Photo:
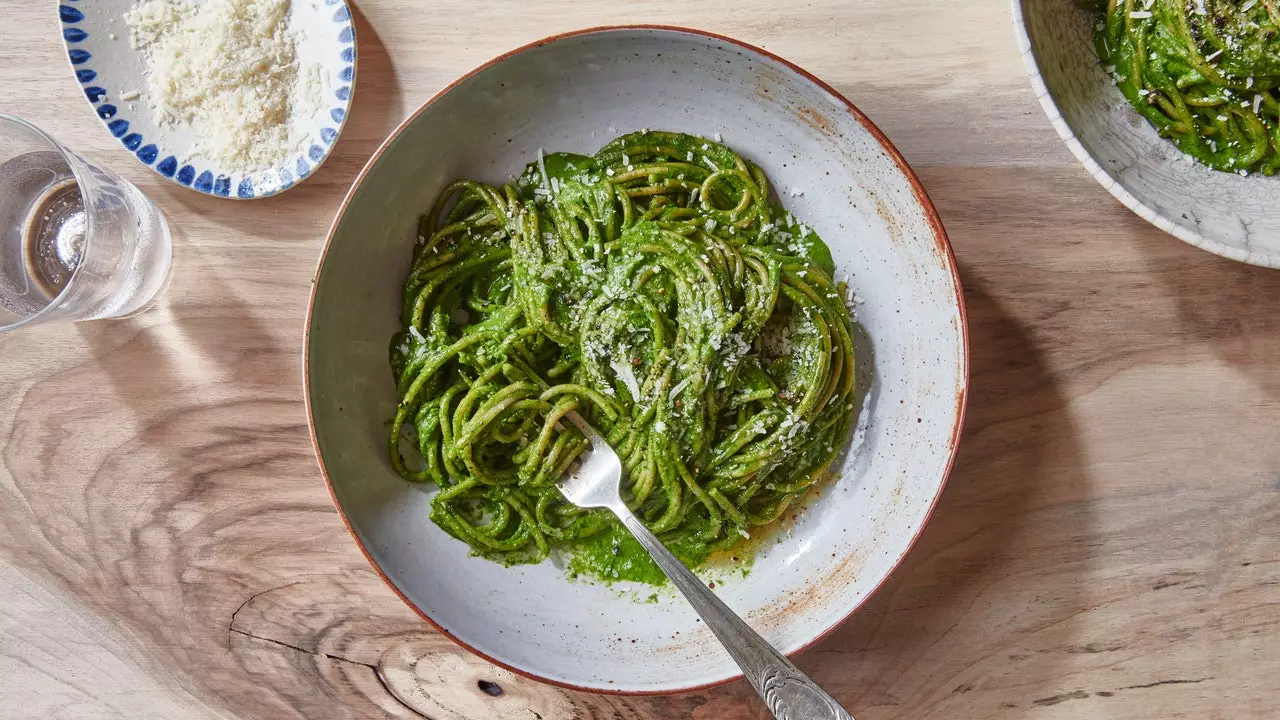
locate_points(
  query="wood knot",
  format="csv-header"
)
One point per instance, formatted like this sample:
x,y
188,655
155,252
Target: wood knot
x,y
447,684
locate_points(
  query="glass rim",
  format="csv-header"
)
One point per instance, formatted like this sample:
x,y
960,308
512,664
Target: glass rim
x,y
71,160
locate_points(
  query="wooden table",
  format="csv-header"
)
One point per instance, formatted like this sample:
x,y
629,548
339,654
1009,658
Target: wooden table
x,y
1108,546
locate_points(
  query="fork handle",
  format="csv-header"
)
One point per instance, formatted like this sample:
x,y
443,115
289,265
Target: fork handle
x,y
789,693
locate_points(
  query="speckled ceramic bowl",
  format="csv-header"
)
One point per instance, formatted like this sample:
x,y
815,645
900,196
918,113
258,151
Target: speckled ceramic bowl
x,y
1233,216
574,92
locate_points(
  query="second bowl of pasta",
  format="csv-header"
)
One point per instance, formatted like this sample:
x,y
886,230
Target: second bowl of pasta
x,y
1172,106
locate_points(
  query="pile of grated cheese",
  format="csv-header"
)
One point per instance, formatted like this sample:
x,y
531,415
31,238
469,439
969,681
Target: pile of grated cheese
x,y
227,71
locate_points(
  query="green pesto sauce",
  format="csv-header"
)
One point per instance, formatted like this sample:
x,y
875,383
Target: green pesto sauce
x,y
614,555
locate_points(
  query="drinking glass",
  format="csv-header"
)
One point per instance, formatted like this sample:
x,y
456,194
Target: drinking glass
x,y
77,242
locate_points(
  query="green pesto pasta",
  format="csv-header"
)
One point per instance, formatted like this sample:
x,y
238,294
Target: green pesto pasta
x,y
1203,72
655,289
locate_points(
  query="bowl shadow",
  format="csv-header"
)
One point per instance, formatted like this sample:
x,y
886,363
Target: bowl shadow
x,y
938,623
1225,305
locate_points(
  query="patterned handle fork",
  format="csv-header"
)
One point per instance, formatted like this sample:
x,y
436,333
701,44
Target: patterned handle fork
x,y
788,692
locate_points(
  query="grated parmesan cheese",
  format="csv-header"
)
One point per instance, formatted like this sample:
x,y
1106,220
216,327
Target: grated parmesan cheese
x,y
542,168
628,378
228,72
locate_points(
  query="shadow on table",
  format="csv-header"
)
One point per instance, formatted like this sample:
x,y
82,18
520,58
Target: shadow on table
x,y
199,340
1013,514
1228,306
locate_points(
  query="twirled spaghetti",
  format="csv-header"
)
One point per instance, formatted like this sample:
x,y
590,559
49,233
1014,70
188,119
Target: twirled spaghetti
x,y
655,289
1203,72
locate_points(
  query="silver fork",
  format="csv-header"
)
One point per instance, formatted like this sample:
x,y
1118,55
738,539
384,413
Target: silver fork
x,y
789,693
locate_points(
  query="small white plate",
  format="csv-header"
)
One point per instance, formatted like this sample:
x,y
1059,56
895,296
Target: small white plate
x,y
107,67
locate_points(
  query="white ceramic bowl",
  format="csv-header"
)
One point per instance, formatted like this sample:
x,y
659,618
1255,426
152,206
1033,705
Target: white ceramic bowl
x,y
109,70
1233,216
575,92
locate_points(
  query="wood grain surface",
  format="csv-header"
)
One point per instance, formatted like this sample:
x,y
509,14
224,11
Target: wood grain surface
x,y
1108,546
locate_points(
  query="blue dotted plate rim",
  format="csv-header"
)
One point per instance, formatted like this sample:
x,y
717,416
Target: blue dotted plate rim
x,y
206,180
